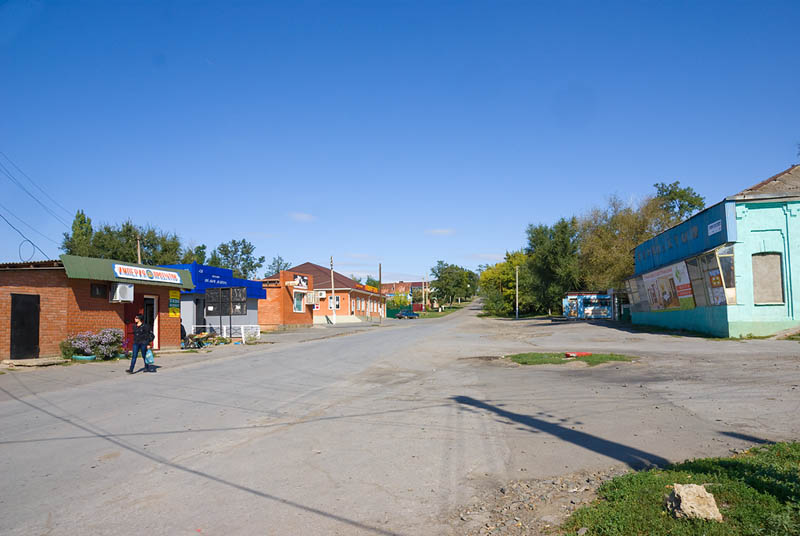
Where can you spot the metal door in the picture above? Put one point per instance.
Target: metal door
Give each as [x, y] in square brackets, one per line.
[24, 326]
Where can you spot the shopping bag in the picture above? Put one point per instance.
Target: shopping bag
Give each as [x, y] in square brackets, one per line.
[149, 358]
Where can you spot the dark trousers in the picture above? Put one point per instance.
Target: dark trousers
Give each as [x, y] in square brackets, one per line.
[136, 349]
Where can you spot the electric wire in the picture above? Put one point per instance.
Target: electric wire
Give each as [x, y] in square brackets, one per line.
[29, 226]
[25, 239]
[56, 203]
[13, 179]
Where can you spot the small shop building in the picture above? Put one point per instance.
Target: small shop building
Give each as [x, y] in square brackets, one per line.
[195, 315]
[44, 302]
[352, 302]
[729, 270]
[587, 305]
[289, 302]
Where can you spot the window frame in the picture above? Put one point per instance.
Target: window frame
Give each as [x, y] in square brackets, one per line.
[101, 296]
[783, 282]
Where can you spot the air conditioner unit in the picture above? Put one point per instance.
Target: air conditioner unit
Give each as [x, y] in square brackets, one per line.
[321, 294]
[311, 298]
[121, 292]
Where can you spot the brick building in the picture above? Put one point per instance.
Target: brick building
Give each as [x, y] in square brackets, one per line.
[406, 288]
[354, 302]
[44, 302]
[289, 301]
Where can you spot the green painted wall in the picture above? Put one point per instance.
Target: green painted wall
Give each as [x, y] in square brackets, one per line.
[772, 227]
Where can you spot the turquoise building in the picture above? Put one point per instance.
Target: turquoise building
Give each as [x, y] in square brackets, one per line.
[730, 269]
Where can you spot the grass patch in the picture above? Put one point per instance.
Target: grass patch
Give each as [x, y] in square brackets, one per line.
[534, 358]
[1, 372]
[757, 492]
[190, 351]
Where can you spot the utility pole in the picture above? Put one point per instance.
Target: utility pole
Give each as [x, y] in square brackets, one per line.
[333, 294]
[516, 269]
[423, 293]
[381, 304]
[139, 248]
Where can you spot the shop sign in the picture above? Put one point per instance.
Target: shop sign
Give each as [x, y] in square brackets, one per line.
[716, 289]
[174, 303]
[669, 288]
[371, 289]
[300, 281]
[125, 271]
[714, 227]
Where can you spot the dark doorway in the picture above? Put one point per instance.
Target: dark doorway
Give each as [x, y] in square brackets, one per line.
[24, 326]
[150, 312]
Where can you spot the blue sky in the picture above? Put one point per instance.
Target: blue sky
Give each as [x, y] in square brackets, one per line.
[395, 132]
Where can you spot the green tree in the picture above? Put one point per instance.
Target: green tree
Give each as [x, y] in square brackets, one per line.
[355, 278]
[196, 254]
[450, 282]
[372, 282]
[119, 242]
[79, 241]
[397, 301]
[498, 286]
[237, 255]
[277, 265]
[553, 263]
[675, 204]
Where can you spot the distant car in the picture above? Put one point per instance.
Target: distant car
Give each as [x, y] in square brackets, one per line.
[406, 313]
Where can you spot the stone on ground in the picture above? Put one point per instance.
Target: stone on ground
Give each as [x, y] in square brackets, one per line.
[692, 501]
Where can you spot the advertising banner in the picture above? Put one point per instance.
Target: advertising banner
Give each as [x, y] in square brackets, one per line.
[669, 288]
[146, 274]
[175, 303]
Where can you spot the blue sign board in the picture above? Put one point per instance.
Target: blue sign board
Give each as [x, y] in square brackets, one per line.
[205, 277]
[706, 230]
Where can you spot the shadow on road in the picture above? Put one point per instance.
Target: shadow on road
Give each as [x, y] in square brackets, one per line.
[634, 458]
[748, 438]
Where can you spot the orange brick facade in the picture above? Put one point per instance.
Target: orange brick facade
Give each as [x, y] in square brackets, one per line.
[363, 304]
[67, 308]
[277, 310]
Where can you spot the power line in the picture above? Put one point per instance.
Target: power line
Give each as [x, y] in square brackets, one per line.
[29, 226]
[35, 184]
[25, 239]
[13, 179]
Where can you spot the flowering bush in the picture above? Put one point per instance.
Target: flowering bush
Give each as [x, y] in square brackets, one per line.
[105, 344]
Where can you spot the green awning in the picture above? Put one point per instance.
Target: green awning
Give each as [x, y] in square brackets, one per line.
[125, 272]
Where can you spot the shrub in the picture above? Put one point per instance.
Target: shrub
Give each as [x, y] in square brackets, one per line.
[105, 344]
[67, 350]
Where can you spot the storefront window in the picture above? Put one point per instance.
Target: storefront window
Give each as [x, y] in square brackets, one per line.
[726, 265]
[298, 301]
[698, 283]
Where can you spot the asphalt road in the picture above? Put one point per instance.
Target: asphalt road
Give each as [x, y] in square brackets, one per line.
[386, 431]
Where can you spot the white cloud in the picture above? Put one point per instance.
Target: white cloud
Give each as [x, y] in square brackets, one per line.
[440, 232]
[301, 216]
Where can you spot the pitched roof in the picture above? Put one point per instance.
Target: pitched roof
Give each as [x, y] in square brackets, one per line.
[785, 183]
[322, 276]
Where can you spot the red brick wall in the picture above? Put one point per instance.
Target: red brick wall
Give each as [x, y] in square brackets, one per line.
[67, 308]
[52, 287]
[278, 308]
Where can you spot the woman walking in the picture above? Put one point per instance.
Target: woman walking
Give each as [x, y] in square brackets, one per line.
[142, 339]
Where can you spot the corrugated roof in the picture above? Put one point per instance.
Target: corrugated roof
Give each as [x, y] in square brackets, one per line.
[103, 270]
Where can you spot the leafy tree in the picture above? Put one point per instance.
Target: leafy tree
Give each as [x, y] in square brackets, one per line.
[355, 278]
[553, 262]
[416, 295]
[450, 282]
[372, 282]
[607, 237]
[498, 285]
[119, 242]
[79, 242]
[675, 204]
[397, 301]
[237, 255]
[194, 254]
[277, 265]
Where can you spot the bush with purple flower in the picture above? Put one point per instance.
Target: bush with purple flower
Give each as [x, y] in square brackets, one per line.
[105, 344]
